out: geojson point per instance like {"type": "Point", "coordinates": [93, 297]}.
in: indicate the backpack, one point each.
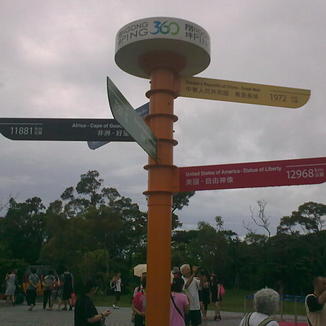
{"type": "Point", "coordinates": [264, 322]}
{"type": "Point", "coordinates": [112, 285]}
{"type": "Point", "coordinates": [138, 301]}
{"type": "Point", "coordinates": [48, 281]}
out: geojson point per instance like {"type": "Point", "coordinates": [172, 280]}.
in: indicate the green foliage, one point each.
{"type": "Point", "coordinates": [310, 217]}
{"type": "Point", "coordinates": [22, 230]}
{"type": "Point", "coordinates": [95, 232]}
{"type": "Point", "coordinates": [180, 200]}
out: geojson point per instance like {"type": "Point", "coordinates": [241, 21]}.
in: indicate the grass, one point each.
{"type": "Point", "coordinates": [233, 301]}
{"type": "Point", "coordinates": [107, 301]}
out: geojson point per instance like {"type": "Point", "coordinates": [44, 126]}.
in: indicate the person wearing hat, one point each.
{"type": "Point", "coordinates": [176, 272]}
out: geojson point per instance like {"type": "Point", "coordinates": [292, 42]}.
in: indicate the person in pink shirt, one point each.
{"type": "Point", "coordinates": [139, 304]}
{"type": "Point", "coordinates": [179, 303]}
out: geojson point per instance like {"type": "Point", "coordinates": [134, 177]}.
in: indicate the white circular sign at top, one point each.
{"type": "Point", "coordinates": [179, 36]}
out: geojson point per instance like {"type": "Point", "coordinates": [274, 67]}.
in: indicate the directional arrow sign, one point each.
{"type": "Point", "coordinates": [142, 111]}
{"type": "Point", "coordinates": [250, 175]}
{"type": "Point", "coordinates": [124, 113]}
{"type": "Point", "coordinates": [63, 129]}
{"type": "Point", "coordinates": [232, 91]}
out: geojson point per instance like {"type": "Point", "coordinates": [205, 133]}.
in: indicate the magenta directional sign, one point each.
{"type": "Point", "coordinates": [63, 129]}
{"type": "Point", "coordinates": [253, 174]}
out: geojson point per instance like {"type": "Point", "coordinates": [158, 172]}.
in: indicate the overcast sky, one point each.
{"type": "Point", "coordinates": [54, 59]}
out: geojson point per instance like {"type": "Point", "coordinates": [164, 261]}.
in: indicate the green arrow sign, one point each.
{"type": "Point", "coordinates": [124, 113]}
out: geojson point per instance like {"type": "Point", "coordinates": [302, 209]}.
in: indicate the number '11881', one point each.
{"type": "Point", "coordinates": [22, 131]}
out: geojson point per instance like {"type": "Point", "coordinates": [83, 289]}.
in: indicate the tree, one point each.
{"type": "Point", "coordinates": [309, 218]}
{"type": "Point", "coordinates": [23, 229]}
{"type": "Point", "coordinates": [260, 219]}
{"type": "Point", "coordinates": [5, 205]}
{"type": "Point", "coordinates": [180, 199]}
{"type": "Point", "coordinates": [93, 218]}
{"type": "Point", "coordinates": [89, 185]}
{"type": "Point", "coordinates": [287, 226]}
{"type": "Point", "coordinates": [88, 194]}
{"type": "Point", "coordinates": [219, 223]}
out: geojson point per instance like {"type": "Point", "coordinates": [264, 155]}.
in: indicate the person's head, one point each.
{"type": "Point", "coordinates": [176, 272]}
{"type": "Point", "coordinates": [143, 282]}
{"type": "Point", "coordinates": [33, 270]}
{"type": "Point", "coordinates": [66, 269]}
{"type": "Point", "coordinates": [203, 275]}
{"type": "Point", "coordinates": [319, 284]}
{"type": "Point", "coordinates": [177, 285]}
{"type": "Point", "coordinates": [90, 287]}
{"type": "Point", "coordinates": [267, 301]}
{"type": "Point", "coordinates": [185, 270]}
{"type": "Point", "coordinates": [50, 272]}
{"type": "Point", "coordinates": [143, 275]}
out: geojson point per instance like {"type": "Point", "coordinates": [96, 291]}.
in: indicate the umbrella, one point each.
{"type": "Point", "coordinates": [140, 269]}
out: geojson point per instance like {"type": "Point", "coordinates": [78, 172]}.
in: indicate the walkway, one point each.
{"type": "Point", "coordinates": [19, 316]}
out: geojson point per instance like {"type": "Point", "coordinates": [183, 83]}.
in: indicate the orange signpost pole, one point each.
{"type": "Point", "coordinates": [163, 71]}
{"type": "Point", "coordinates": [161, 49]}
{"type": "Point", "coordinates": [170, 51]}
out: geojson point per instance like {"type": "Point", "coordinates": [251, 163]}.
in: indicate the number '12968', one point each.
{"type": "Point", "coordinates": [297, 174]}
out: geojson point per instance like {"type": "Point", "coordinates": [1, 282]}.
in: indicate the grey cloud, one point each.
{"type": "Point", "coordinates": [54, 59]}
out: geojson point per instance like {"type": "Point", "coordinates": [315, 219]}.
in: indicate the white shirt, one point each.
{"type": "Point", "coordinates": [317, 316]}
{"type": "Point", "coordinates": [257, 318]}
{"type": "Point", "coordinates": [192, 293]}
{"type": "Point", "coordinates": [118, 285]}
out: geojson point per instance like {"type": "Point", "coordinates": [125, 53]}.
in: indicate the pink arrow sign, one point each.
{"type": "Point", "coordinates": [253, 174]}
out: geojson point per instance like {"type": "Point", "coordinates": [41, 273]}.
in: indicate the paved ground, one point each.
{"type": "Point", "coordinates": [19, 316]}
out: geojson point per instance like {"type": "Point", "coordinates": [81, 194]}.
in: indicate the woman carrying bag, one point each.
{"type": "Point", "coordinates": [179, 303]}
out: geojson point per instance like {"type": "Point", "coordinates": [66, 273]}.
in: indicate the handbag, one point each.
{"type": "Point", "coordinates": [222, 290]}
{"type": "Point", "coordinates": [73, 298]}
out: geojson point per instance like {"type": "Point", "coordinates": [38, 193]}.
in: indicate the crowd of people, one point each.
{"type": "Point", "coordinates": [57, 290]}
{"type": "Point", "coordinates": [192, 290]}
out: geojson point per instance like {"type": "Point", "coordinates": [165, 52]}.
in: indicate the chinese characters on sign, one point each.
{"type": "Point", "coordinates": [231, 91]}
{"type": "Point", "coordinates": [142, 111]}
{"type": "Point", "coordinates": [257, 174]}
{"type": "Point", "coordinates": [63, 129]}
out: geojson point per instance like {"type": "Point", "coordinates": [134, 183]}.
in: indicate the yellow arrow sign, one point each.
{"type": "Point", "coordinates": [232, 91]}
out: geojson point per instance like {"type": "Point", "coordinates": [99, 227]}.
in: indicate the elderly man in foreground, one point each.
{"type": "Point", "coordinates": [316, 303]}
{"type": "Point", "coordinates": [191, 287]}
{"type": "Point", "coordinates": [266, 304]}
